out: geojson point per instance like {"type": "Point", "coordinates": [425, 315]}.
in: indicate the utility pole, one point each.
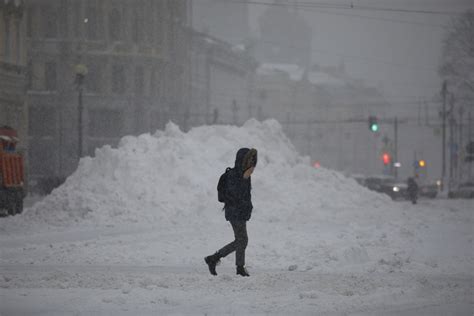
{"type": "Point", "coordinates": [461, 144]}
{"type": "Point", "coordinates": [309, 139]}
{"type": "Point", "coordinates": [79, 128]}
{"type": "Point", "coordinates": [451, 140]}
{"type": "Point", "coordinates": [81, 72]}
{"type": "Point", "coordinates": [444, 91]}
{"type": "Point", "coordinates": [395, 149]}
{"type": "Point", "coordinates": [427, 122]}
{"type": "Point", "coordinates": [419, 113]}
{"type": "Point", "coordinates": [469, 129]}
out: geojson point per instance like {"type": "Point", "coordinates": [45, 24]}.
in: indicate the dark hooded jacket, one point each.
{"type": "Point", "coordinates": [412, 187]}
{"type": "Point", "coordinates": [237, 193]}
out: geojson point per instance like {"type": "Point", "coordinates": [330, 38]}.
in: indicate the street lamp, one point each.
{"type": "Point", "coordinates": [81, 72]}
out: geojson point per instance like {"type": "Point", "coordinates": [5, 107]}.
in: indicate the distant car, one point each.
{"type": "Point", "coordinates": [379, 183]}
{"type": "Point", "coordinates": [464, 190]}
{"type": "Point", "coordinates": [428, 190]}
{"type": "Point", "coordinates": [384, 184]}
{"type": "Point", "coordinates": [396, 190]}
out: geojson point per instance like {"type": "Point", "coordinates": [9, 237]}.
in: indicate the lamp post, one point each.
{"type": "Point", "coordinates": [81, 72]}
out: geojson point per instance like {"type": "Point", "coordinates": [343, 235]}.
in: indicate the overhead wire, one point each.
{"type": "Point", "coordinates": [372, 8]}
{"type": "Point", "coordinates": [320, 9]}
{"type": "Point", "coordinates": [306, 5]}
{"type": "Point", "coordinates": [381, 19]}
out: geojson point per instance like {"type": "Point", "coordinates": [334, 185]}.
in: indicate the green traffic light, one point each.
{"type": "Point", "coordinates": [374, 127]}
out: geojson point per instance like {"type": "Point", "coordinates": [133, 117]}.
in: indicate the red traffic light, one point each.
{"type": "Point", "coordinates": [386, 158]}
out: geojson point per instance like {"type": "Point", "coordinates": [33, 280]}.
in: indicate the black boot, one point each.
{"type": "Point", "coordinates": [212, 261]}
{"type": "Point", "coordinates": [242, 271]}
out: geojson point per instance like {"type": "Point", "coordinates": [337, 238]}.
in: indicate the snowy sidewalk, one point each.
{"type": "Point", "coordinates": [106, 290]}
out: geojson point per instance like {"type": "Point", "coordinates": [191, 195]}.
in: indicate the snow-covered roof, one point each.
{"type": "Point", "coordinates": [322, 78]}
{"type": "Point", "coordinates": [297, 73]}
{"type": "Point", "coordinates": [11, 139]}
{"type": "Point", "coordinates": [209, 40]}
{"type": "Point", "coordinates": [294, 71]}
{"type": "Point", "coordinates": [238, 48]}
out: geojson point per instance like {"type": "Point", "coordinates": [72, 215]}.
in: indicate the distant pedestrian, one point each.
{"type": "Point", "coordinates": [412, 190]}
{"type": "Point", "coordinates": [234, 190]}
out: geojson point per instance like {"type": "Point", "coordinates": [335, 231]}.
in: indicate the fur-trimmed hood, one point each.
{"type": "Point", "coordinates": [245, 159]}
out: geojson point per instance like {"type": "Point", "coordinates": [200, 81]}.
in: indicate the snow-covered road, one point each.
{"type": "Point", "coordinates": [159, 290]}
{"type": "Point", "coordinates": [39, 276]}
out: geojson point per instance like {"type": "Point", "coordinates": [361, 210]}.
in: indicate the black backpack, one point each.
{"type": "Point", "coordinates": [221, 186]}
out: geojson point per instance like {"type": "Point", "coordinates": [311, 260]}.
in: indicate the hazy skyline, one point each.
{"type": "Point", "coordinates": [396, 51]}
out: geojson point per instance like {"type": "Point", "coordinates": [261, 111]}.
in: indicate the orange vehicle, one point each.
{"type": "Point", "coordinates": [11, 173]}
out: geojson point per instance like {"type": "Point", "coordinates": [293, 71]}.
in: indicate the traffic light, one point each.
{"type": "Point", "coordinates": [386, 158]}
{"type": "Point", "coordinates": [373, 125]}
{"type": "Point", "coordinates": [421, 163]}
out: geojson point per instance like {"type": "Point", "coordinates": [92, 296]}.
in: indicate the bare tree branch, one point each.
{"type": "Point", "coordinates": [457, 64]}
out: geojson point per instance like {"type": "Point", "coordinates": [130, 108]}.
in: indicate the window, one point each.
{"type": "Point", "coordinates": [105, 122]}
{"type": "Point", "coordinates": [18, 41]}
{"type": "Point", "coordinates": [29, 22]}
{"type": "Point", "coordinates": [50, 19]}
{"type": "Point", "coordinates": [7, 41]}
{"type": "Point", "coordinates": [159, 26]}
{"type": "Point", "coordinates": [139, 80]}
{"type": "Point", "coordinates": [148, 20]}
{"type": "Point", "coordinates": [118, 79]}
{"type": "Point", "coordinates": [91, 16]}
{"type": "Point", "coordinates": [50, 76]}
{"type": "Point", "coordinates": [138, 27]}
{"type": "Point", "coordinates": [114, 25]}
{"type": "Point", "coordinates": [77, 19]}
{"type": "Point", "coordinates": [29, 75]}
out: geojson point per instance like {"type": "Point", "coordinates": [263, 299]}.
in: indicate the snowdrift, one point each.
{"type": "Point", "coordinates": [171, 177]}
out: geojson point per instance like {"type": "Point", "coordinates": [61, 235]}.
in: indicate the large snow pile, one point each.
{"type": "Point", "coordinates": [171, 176]}
{"type": "Point", "coordinates": [165, 185]}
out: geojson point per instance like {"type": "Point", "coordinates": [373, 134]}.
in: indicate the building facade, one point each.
{"type": "Point", "coordinates": [13, 111]}
{"type": "Point", "coordinates": [99, 70]}
{"type": "Point", "coordinates": [222, 82]}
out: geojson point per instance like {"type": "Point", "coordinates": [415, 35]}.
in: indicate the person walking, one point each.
{"type": "Point", "coordinates": [412, 190]}
{"type": "Point", "coordinates": [234, 189]}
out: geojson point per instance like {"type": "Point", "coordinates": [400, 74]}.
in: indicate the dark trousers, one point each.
{"type": "Point", "coordinates": [239, 244]}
